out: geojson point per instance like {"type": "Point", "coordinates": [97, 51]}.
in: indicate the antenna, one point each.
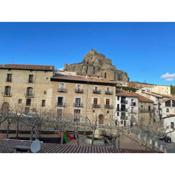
{"type": "Point", "coordinates": [35, 146]}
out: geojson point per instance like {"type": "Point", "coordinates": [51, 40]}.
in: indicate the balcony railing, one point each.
{"type": "Point", "coordinates": [108, 92]}
{"type": "Point", "coordinates": [96, 91]}
{"type": "Point", "coordinates": [96, 106]}
{"type": "Point", "coordinates": [122, 110]}
{"type": "Point", "coordinates": [62, 90]}
{"type": "Point", "coordinates": [7, 94]}
{"type": "Point", "coordinates": [124, 101]}
{"type": "Point", "coordinates": [8, 80]}
{"type": "Point", "coordinates": [61, 104]}
{"type": "Point", "coordinates": [78, 105]}
{"type": "Point", "coordinates": [108, 106]}
{"type": "Point", "coordinates": [29, 95]}
{"type": "Point", "coordinates": [79, 91]}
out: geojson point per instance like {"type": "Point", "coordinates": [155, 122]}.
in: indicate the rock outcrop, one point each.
{"type": "Point", "coordinates": [96, 64]}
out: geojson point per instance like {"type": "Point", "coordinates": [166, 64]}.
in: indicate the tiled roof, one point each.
{"type": "Point", "coordinates": [135, 95]}
{"type": "Point", "coordinates": [85, 79]}
{"type": "Point", "coordinates": [27, 67]}
{"type": "Point", "coordinates": [144, 99]}
{"type": "Point", "coordinates": [126, 94]}
{"type": "Point", "coordinates": [8, 146]}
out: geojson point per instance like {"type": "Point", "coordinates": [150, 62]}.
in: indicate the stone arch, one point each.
{"type": "Point", "coordinates": [5, 108]}
{"type": "Point", "coordinates": [101, 119]}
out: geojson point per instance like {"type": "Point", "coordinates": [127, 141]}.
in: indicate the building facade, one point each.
{"type": "Point", "coordinates": [25, 88]}
{"type": "Point", "coordinates": [126, 108]}
{"type": "Point", "coordinates": [83, 97]}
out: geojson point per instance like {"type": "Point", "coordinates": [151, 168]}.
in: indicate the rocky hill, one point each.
{"type": "Point", "coordinates": [96, 64]}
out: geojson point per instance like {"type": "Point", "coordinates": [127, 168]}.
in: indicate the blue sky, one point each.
{"type": "Point", "coordinates": [146, 51]}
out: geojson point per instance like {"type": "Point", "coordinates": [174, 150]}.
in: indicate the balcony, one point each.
{"type": "Point", "coordinates": [108, 92]}
{"type": "Point", "coordinates": [122, 110]}
{"type": "Point", "coordinates": [108, 106]}
{"type": "Point", "coordinates": [95, 106]}
{"type": "Point", "coordinates": [80, 91]}
{"type": "Point", "coordinates": [124, 101]}
{"type": "Point", "coordinates": [61, 105]}
{"type": "Point", "coordinates": [9, 80]}
{"type": "Point", "coordinates": [95, 91]}
{"type": "Point", "coordinates": [7, 94]}
{"type": "Point", "coordinates": [63, 90]}
{"type": "Point", "coordinates": [29, 95]}
{"type": "Point", "coordinates": [78, 105]}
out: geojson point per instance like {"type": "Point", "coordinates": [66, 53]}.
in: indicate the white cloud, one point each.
{"type": "Point", "coordinates": [61, 68]}
{"type": "Point", "coordinates": [168, 76]}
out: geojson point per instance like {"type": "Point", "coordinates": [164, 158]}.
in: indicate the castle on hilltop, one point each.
{"type": "Point", "coordinates": [96, 64]}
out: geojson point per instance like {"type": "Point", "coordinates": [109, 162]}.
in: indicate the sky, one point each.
{"type": "Point", "coordinates": [146, 51]}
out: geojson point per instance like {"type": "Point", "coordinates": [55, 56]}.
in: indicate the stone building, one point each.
{"type": "Point", "coordinates": [146, 111]}
{"type": "Point", "coordinates": [96, 64]}
{"type": "Point", "coordinates": [83, 97]}
{"type": "Point", "coordinates": [25, 88]}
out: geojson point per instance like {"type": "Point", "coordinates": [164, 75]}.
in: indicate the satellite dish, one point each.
{"type": "Point", "coordinates": [35, 146]}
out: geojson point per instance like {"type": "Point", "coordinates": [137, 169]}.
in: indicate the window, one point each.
{"type": "Point", "coordinates": [7, 91]}
{"type": "Point", "coordinates": [168, 103]}
{"type": "Point", "coordinates": [108, 102]}
{"type": "Point", "coordinates": [149, 108]}
{"type": "Point", "coordinates": [45, 92]}
{"type": "Point", "coordinates": [28, 102]}
{"type": "Point", "coordinates": [77, 115]}
{"type": "Point", "coordinates": [30, 78]}
{"type": "Point", "coordinates": [61, 86]}
{"type": "Point", "coordinates": [78, 86]}
{"type": "Point", "coordinates": [172, 125]}
{"type": "Point", "coordinates": [9, 77]}
{"type": "Point", "coordinates": [29, 91]}
{"type": "Point", "coordinates": [173, 103]}
{"type": "Point", "coordinates": [60, 101]}
{"type": "Point", "coordinates": [105, 75]}
{"type": "Point", "coordinates": [59, 112]}
{"type": "Point", "coordinates": [117, 113]}
{"type": "Point", "coordinates": [96, 88]}
{"type": "Point", "coordinates": [19, 101]}
{"type": "Point", "coordinates": [167, 110]}
{"type": "Point", "coordinates": [77, 101]}
{"type": "Point", "coordinates": [27, 109]}
{"type": "Point", "coordinates": [95, 101]}
{"type": "Point", "coordinates": [43, 103]}
{"type": "Point", "coordinates": [118, 98]}
{"type": "Point", "coordinates": [118, 107]}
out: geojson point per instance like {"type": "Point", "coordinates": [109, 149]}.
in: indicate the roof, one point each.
{"type": "Point", "coordinates": [27, 67]}
{"type": "Point", "coordinates": [126, 94]}
{"type": "Point", "coordinates": [168, 116]}
{"type": "Point", "coordinates": [168, 97]}
{"type": "Point", "coordinates": [8, 146]}
{"type": "Point", "coordinates": [144, 99]}
{"type": "Point", "coordinates": [82, 79]}
{"type": "Point", "coordinates": [135, 95]}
